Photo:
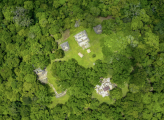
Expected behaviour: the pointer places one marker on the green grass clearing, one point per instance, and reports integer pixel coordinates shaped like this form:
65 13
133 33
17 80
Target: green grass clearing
60 100
124 90
107 99
102 99
86 60
52 79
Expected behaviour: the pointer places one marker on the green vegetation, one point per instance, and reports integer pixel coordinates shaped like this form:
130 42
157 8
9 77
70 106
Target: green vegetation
130 50
86 60
52 79
60 100
124 90
94 55
102 99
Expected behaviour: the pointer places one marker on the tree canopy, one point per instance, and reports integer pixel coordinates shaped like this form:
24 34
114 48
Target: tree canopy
132 45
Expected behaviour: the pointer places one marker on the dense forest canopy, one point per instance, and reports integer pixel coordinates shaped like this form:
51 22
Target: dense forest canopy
133 55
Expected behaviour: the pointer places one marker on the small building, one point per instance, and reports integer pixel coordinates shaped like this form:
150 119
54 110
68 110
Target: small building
65 46
81 55
98 29
88 51
82 39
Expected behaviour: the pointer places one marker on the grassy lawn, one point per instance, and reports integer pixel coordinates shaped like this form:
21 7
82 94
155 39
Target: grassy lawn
107 99
86 60
52 79
60 100
102 99
125 90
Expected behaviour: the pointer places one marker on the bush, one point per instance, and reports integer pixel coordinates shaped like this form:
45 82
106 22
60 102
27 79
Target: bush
59 53
55 45
94 55
52 56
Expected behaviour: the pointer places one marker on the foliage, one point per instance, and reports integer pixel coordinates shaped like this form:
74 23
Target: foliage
21 16
121 70
28 5
94 55
139 77
59 53
108 26
116 93
130 50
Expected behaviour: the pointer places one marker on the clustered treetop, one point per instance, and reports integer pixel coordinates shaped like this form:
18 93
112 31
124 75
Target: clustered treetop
132 51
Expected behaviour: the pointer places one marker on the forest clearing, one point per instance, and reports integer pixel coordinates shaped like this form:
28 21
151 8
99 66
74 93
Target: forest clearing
81 59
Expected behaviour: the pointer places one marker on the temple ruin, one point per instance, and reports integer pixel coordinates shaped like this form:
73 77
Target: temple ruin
82 39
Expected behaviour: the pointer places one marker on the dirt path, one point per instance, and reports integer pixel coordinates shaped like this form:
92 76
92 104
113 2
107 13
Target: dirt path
60 94
42 76
105 18
65 35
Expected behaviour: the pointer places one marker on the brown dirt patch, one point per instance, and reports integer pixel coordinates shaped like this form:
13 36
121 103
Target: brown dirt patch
105 18
66 34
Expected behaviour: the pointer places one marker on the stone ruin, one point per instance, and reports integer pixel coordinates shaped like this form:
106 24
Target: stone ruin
82 39
105 87
65 46
98 29
77 23
42 75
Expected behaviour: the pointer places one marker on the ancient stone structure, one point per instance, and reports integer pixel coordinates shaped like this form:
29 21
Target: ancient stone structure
98 29
105 87
82 39
42 75
77 23
65 46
